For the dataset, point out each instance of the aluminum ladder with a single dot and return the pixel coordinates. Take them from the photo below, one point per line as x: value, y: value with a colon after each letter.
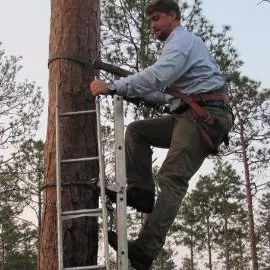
x: 122, y: 254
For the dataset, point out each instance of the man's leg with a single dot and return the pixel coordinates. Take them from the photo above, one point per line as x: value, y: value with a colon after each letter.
x: 185, y: 156
x: 140, y: 136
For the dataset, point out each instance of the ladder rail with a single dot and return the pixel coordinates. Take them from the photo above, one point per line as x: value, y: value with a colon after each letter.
x: 58, y: 182
x: 102, y: 185
x: 122, y: 253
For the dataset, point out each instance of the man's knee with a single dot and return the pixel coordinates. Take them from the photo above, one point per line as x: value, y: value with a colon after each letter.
x: 133, y: 126
x: 133, y: 131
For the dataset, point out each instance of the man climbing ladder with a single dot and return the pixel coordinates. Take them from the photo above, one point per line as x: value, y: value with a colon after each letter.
x: 186, y: 77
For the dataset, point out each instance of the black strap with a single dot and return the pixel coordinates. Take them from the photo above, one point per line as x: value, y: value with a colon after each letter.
x: 72, y: 56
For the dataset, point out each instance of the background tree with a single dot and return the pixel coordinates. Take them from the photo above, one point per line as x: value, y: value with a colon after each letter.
x: 165, y: 260
x: 26, y: 170
x: 203, y: 201
x: 26, y: 173
x: 267, y: 1
x: 231, y: 217
x: 250, y: 138
x: 185, y: 229
x: 74, y: 43
x: 188, y: 265
x: 21, y: 105
x: 213, y: 220
x: 18, y: 237
x: 264, y: 230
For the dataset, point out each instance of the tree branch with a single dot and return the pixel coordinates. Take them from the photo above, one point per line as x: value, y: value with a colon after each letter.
x: 268, y: 1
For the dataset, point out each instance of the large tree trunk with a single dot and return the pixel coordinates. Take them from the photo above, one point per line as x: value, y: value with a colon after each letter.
x: 75, y: 33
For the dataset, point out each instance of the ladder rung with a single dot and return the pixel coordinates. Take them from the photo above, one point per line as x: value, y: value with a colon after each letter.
x: 78, y: 160
x: 81, y: 213
x: 86, y: 267
x: 76, y: 113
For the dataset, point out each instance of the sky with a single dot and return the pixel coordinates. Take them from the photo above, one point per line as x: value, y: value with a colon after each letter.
x: 25, y: 26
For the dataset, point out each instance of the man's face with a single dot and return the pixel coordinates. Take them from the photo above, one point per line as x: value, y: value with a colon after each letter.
x: 162, y: 24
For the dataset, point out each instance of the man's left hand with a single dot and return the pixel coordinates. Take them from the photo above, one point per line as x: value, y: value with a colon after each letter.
x: 97, y: 87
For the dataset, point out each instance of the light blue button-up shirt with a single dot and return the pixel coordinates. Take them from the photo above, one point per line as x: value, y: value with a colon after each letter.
x: 184, y: 64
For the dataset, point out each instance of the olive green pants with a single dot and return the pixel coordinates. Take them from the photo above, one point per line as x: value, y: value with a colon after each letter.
x: 187, y: 151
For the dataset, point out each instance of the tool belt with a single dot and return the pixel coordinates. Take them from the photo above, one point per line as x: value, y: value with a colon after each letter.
x: 209, y: 127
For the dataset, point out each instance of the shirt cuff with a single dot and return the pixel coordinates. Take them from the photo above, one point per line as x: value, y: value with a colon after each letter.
x: 121, y: 86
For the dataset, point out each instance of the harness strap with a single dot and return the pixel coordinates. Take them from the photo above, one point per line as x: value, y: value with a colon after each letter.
x: 193, y: 100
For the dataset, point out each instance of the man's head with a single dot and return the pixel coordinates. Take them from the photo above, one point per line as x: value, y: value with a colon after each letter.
x: 164, y: 16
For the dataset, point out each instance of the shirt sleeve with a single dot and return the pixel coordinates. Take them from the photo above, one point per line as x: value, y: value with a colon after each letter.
x: 155, y: 97
x: 166, y: 70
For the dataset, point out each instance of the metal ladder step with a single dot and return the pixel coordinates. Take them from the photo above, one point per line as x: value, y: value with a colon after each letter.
x: 86, y: 267
x: 65, y: 161
x: 67, y: 215
x: 76, y: 113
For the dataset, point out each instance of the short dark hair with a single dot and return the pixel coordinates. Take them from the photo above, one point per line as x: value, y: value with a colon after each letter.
x: 165, y: 6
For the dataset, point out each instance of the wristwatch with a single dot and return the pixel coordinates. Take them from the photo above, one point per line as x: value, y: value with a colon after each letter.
x: 112, y: 88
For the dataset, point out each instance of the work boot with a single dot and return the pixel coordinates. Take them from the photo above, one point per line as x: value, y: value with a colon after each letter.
x: 138, y: 259
x: 138, y: 198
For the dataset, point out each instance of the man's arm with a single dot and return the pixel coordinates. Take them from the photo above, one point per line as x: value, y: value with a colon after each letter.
x: 164, y: 72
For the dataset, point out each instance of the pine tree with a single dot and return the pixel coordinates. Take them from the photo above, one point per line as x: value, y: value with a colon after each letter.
x: 213, y: 220
x: 185, y: 230
x: 188, y: 265
x: 21, y: 106
x: 164, y: 260
x: 18, y: 237
x: 74, y: 44
x: 26, y: 169
x: 232, y: 220
x: 26, y: 173
x: 264, y: 230
x: 250, y: 138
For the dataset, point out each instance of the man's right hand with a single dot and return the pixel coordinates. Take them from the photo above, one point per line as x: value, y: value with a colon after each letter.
x: 97, y: 87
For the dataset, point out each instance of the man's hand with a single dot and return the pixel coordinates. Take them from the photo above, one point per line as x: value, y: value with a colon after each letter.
x: 97, y: 87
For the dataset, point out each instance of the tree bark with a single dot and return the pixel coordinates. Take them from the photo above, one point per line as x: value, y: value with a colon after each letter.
x: 75, y: 31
